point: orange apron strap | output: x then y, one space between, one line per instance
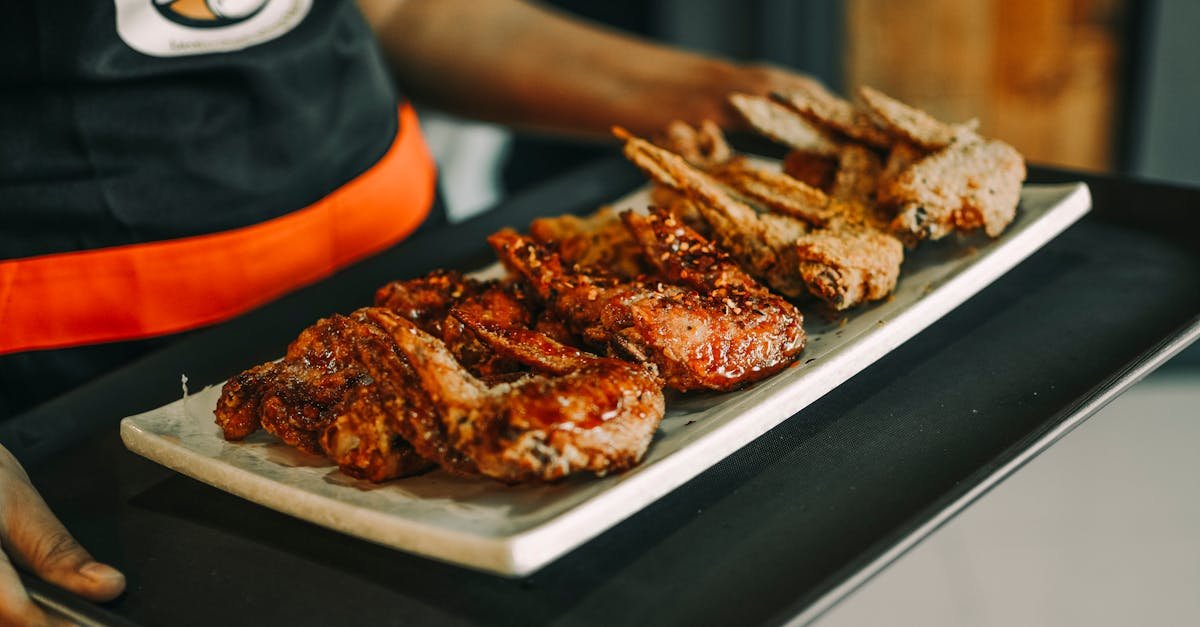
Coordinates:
145 290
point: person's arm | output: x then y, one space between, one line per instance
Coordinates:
519 64
32 537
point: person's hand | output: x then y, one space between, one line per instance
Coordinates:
30 536
523 64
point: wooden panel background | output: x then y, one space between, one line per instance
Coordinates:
1040 74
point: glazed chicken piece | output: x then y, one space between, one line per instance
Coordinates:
383 399
335 372
427 301
718 333
681 256
597 242
845 264
584 414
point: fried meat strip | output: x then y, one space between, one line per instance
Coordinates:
844 265
857 175
856 260
829 111
782 124
716 339
912 124
590 413
777 191
598 242
965 186
849 267
900 158
763 250
812 158
961 182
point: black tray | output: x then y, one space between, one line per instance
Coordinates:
777 531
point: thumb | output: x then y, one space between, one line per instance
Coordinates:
38 541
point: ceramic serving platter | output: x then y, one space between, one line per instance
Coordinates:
514 530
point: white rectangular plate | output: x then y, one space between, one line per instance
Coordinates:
514 530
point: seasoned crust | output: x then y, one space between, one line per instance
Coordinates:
719 338
857 175
598 242
782 124
829 111
964 186
912 124
777 191
851 266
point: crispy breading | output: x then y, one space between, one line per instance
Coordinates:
777 191
829 111
964 186
854 260
844 265
598 242
761 250
848 267
900 158
911 123
813 169
777 122
857 174
854 190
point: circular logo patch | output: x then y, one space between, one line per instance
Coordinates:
172 28
208 13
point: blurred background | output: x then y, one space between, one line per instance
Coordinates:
1102 528
1098 85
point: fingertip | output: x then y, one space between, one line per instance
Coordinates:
101 582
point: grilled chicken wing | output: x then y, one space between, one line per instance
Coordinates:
717 339
587 413
383 399
335 372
